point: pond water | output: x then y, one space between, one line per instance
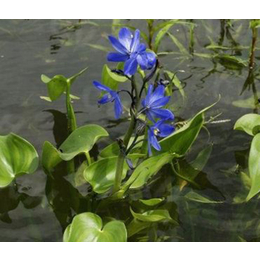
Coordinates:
38 208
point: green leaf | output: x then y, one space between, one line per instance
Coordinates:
152 202
231 62
180 141
247 123
79 141
99 47
161 34
153 215
146 170
174 79
74 77
56 86
111 79
88 227
179 45
254 169
50 156
136 226
101 174
198 198
17 157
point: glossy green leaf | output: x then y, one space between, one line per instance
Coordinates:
153 215
56 86
161 34
254 169
136 226
74 77
146 170
174 79
181 140
17 157
101 174
111 79
247 123
50 156
198 198
88 227
79 141
152 202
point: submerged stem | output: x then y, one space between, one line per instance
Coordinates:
253 47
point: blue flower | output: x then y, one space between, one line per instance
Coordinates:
153 103
131 51
159 129
110 96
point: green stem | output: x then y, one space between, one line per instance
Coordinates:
121 156
72 124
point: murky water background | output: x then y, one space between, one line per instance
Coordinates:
29 48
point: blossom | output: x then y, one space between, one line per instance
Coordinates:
110 96
131 51
153 103
159 129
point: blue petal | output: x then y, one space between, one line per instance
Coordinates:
157 94
160 102
117 57
101 87
141 48
105 99
117 45
118 107
145 102
125 37
130 67
165 130
150 116
153 140
165 114
135 41
146 60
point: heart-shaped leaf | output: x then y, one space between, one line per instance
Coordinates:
56 86
17 157
247 123
79 141
88 227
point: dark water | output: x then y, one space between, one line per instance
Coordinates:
38 208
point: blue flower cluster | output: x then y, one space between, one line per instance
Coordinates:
133 53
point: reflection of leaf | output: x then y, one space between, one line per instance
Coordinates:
247 103
231 62
88 227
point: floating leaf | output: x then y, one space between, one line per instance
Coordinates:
101 174
247 123
17 157
152 202
198 198
88 227
153 215
254 169
250 102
